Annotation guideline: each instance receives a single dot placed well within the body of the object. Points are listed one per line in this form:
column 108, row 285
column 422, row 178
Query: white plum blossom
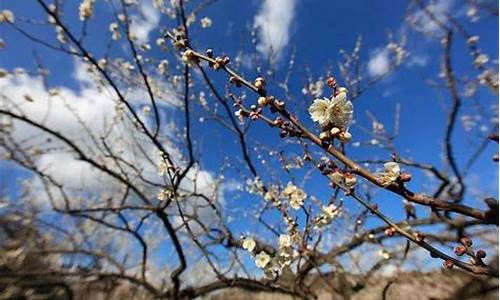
column 60, row 35
column 187, row 57
column 255, row 186
column 328, row 213
column 162, row 67
column 6, row 16
column 314, row 88
column 319, row 111
column 86, row 9
column 336, row 177
column 164, row 195
column 248, row 244
column 472, row 13
column 285, row 241
column 481, row 59
column 341, row 110
column 160, row 42
column 391, row 173
column 384, row 254
column 164, row 167
column 270, row 195
column 114, row 28
column 262, row 259
column 473, row 40
column 331, row 211
column 336, row 112
column 295, row 195
column 206, row 22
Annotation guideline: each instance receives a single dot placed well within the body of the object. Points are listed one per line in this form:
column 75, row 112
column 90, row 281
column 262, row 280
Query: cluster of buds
column 274, row 104
column 255, row 112
column 390, row 231
column 328, row 135
column 271, row 195
column 465, row 247
column 336, row 176
column 328, row 213
column 263, row 101
column 220, row 62
column 165, row 195
column 448, row 264
column 240, row 113
column 286, row 128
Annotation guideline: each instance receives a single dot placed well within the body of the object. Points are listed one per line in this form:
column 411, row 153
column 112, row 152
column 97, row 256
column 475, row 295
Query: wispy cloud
column 422, row 21
column 379, row 62
column 273, row 23
column 142, row 25
column 417, row 60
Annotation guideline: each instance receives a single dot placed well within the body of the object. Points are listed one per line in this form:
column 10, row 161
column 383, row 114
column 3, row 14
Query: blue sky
column 317, row 30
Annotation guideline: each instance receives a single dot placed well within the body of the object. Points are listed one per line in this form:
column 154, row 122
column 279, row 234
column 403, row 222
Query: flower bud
column 234, row 80
column 350, row 180
column 390, row 231
column 260, row 83
column 279, row 105
column 324, row 136
column 334, row 131
column 459, row 250
column 331, row 82
column 345, row 137
column 480, row 253
column 405, row 177
column 448, row 264
column 419, row 236
column 466, row 241
column 262, row 101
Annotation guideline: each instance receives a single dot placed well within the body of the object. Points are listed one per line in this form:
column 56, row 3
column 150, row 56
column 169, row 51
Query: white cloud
column 85, row 116
column 274, row 22
column 424, row 23
column 418, row 60
column 141, row 25
column 379, row 62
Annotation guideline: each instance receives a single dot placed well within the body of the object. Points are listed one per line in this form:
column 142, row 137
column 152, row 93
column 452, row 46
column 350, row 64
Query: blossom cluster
column 328, row 213
column 273, row 263
column 295, row 196
column 86, row 9
column 334, row 114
